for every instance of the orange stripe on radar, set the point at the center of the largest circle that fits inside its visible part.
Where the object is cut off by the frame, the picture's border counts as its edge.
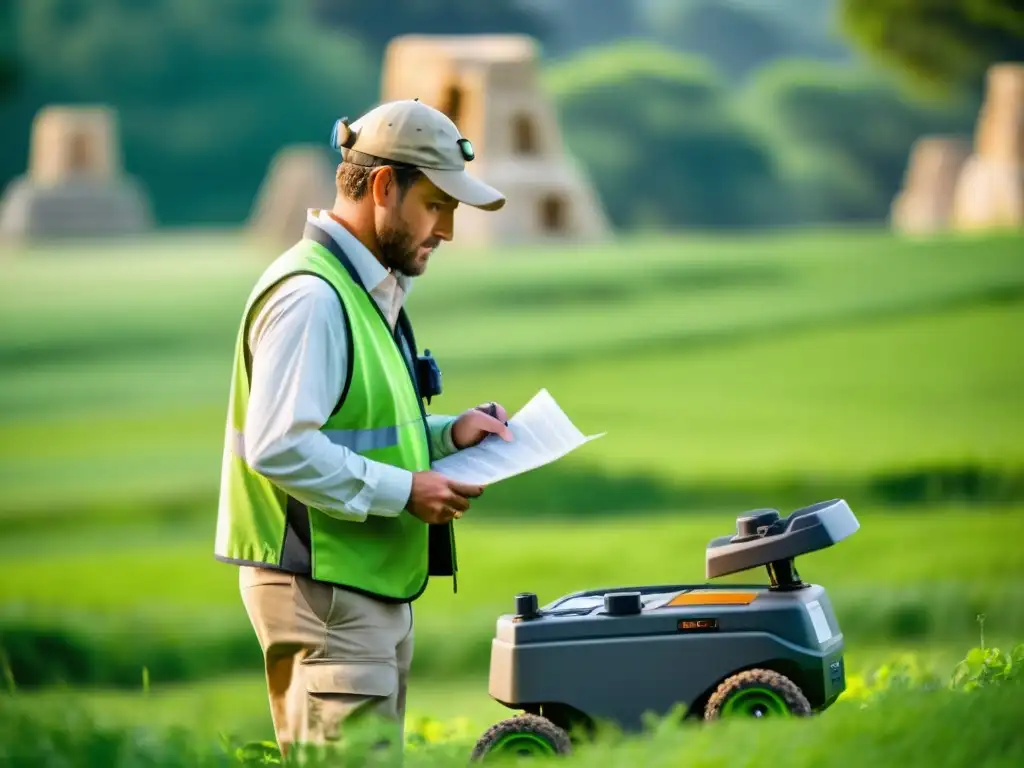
(711, 597)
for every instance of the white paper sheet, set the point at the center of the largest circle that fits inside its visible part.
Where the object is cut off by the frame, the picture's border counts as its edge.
(542, 434)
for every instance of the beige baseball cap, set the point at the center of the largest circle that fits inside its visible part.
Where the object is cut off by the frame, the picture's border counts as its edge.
(413, 133)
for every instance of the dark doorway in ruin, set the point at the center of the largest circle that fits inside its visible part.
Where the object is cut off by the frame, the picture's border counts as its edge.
(80, 154)
(524, 135)
(452, 103)
(552, 214)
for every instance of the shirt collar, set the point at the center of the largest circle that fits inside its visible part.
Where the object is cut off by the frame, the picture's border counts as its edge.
(370, 271)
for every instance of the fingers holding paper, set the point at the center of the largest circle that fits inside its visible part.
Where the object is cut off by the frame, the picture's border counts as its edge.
(543, 433)
(494, 409)
(437, 499)
(477, 423)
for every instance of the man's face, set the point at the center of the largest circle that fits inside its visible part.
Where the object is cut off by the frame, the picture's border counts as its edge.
(413, 225)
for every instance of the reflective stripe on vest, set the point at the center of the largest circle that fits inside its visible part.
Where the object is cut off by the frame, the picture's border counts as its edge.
(357, 440)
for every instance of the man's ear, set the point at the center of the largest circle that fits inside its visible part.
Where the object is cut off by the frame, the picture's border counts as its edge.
(382, 185)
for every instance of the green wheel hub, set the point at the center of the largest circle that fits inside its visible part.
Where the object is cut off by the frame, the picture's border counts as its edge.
(526, 735)
(523, 743)
(755, 702)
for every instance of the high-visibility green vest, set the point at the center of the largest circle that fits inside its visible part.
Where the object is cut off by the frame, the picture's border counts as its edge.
(380, 416)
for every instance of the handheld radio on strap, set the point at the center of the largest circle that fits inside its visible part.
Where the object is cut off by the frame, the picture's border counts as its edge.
(425, 370)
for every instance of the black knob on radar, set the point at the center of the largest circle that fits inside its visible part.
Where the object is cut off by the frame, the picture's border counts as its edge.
(622, 603)
(526, 605)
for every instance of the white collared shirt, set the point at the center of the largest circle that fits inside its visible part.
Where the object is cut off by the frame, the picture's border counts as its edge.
(300, 358)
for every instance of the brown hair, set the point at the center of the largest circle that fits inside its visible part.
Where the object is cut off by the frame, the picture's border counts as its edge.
(353, 180)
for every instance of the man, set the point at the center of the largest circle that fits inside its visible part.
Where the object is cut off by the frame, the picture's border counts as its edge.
(328, 504)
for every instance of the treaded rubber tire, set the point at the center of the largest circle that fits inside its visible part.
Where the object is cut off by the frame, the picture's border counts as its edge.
(758, 678)
(525, 723)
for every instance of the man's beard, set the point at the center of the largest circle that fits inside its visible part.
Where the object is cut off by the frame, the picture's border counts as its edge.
(398, 251)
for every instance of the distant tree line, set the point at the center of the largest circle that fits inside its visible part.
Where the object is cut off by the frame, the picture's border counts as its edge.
(670, 144)
(377, 23)
(772, 126)
(8, 75)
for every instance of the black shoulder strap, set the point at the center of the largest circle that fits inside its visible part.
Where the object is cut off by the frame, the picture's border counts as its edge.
(406, 327)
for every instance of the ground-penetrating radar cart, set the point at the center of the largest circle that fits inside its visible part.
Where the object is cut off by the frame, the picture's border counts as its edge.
(613, 655)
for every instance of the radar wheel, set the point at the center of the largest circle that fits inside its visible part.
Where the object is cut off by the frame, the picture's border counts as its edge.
(758, 693)
(525, 735)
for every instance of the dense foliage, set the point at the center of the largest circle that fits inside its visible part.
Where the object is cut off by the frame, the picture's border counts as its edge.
(657, 134)
(657, 107)
(212, 92)
(378, 24)
(943, 45)
(739, 37)
(842, 137)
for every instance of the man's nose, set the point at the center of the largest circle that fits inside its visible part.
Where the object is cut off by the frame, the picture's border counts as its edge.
(445, 229)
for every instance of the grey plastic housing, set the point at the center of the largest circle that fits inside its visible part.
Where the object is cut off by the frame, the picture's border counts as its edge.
(763, 536)
(576, 657)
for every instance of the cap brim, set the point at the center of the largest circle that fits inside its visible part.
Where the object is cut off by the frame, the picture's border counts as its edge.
(466, 189)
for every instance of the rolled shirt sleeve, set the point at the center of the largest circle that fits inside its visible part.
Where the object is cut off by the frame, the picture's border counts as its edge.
(441, 443)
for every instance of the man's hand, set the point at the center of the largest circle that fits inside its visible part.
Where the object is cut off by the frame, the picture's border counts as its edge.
(476, 423)
(437, 499)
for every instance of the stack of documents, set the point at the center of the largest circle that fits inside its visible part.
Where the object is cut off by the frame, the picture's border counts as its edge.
(542, 434)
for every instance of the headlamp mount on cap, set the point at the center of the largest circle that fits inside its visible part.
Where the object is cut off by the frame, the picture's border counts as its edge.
(341, 135)
(344, 138)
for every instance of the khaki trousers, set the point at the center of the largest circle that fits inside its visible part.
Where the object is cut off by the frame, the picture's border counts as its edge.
(330, 654)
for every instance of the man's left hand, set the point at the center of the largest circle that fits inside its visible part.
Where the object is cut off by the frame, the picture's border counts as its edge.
(475, 424)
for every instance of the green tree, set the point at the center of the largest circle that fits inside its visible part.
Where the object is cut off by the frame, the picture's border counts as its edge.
(378, 22)
(8, 75)
(843, 136)
(942, 45)
(655, 131)
(9, 70)
(206, 93)
(737, 37)
(572, 25)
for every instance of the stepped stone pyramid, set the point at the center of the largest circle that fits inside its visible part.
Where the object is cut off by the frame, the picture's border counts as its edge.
(990, 190)
(489, 86)
(925, 203)
(75, 185)
(300, 177)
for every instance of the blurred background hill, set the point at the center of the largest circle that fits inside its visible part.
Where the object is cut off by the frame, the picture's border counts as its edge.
(780, 113)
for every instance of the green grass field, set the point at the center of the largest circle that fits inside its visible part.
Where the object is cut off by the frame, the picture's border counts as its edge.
(728, 366)
(124, 600)
(728, 372)
(163, 569)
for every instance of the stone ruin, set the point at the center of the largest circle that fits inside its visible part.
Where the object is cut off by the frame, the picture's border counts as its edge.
(990, 190)
(489, 85)
(299, 177)
(925, 203)
(75, 185)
